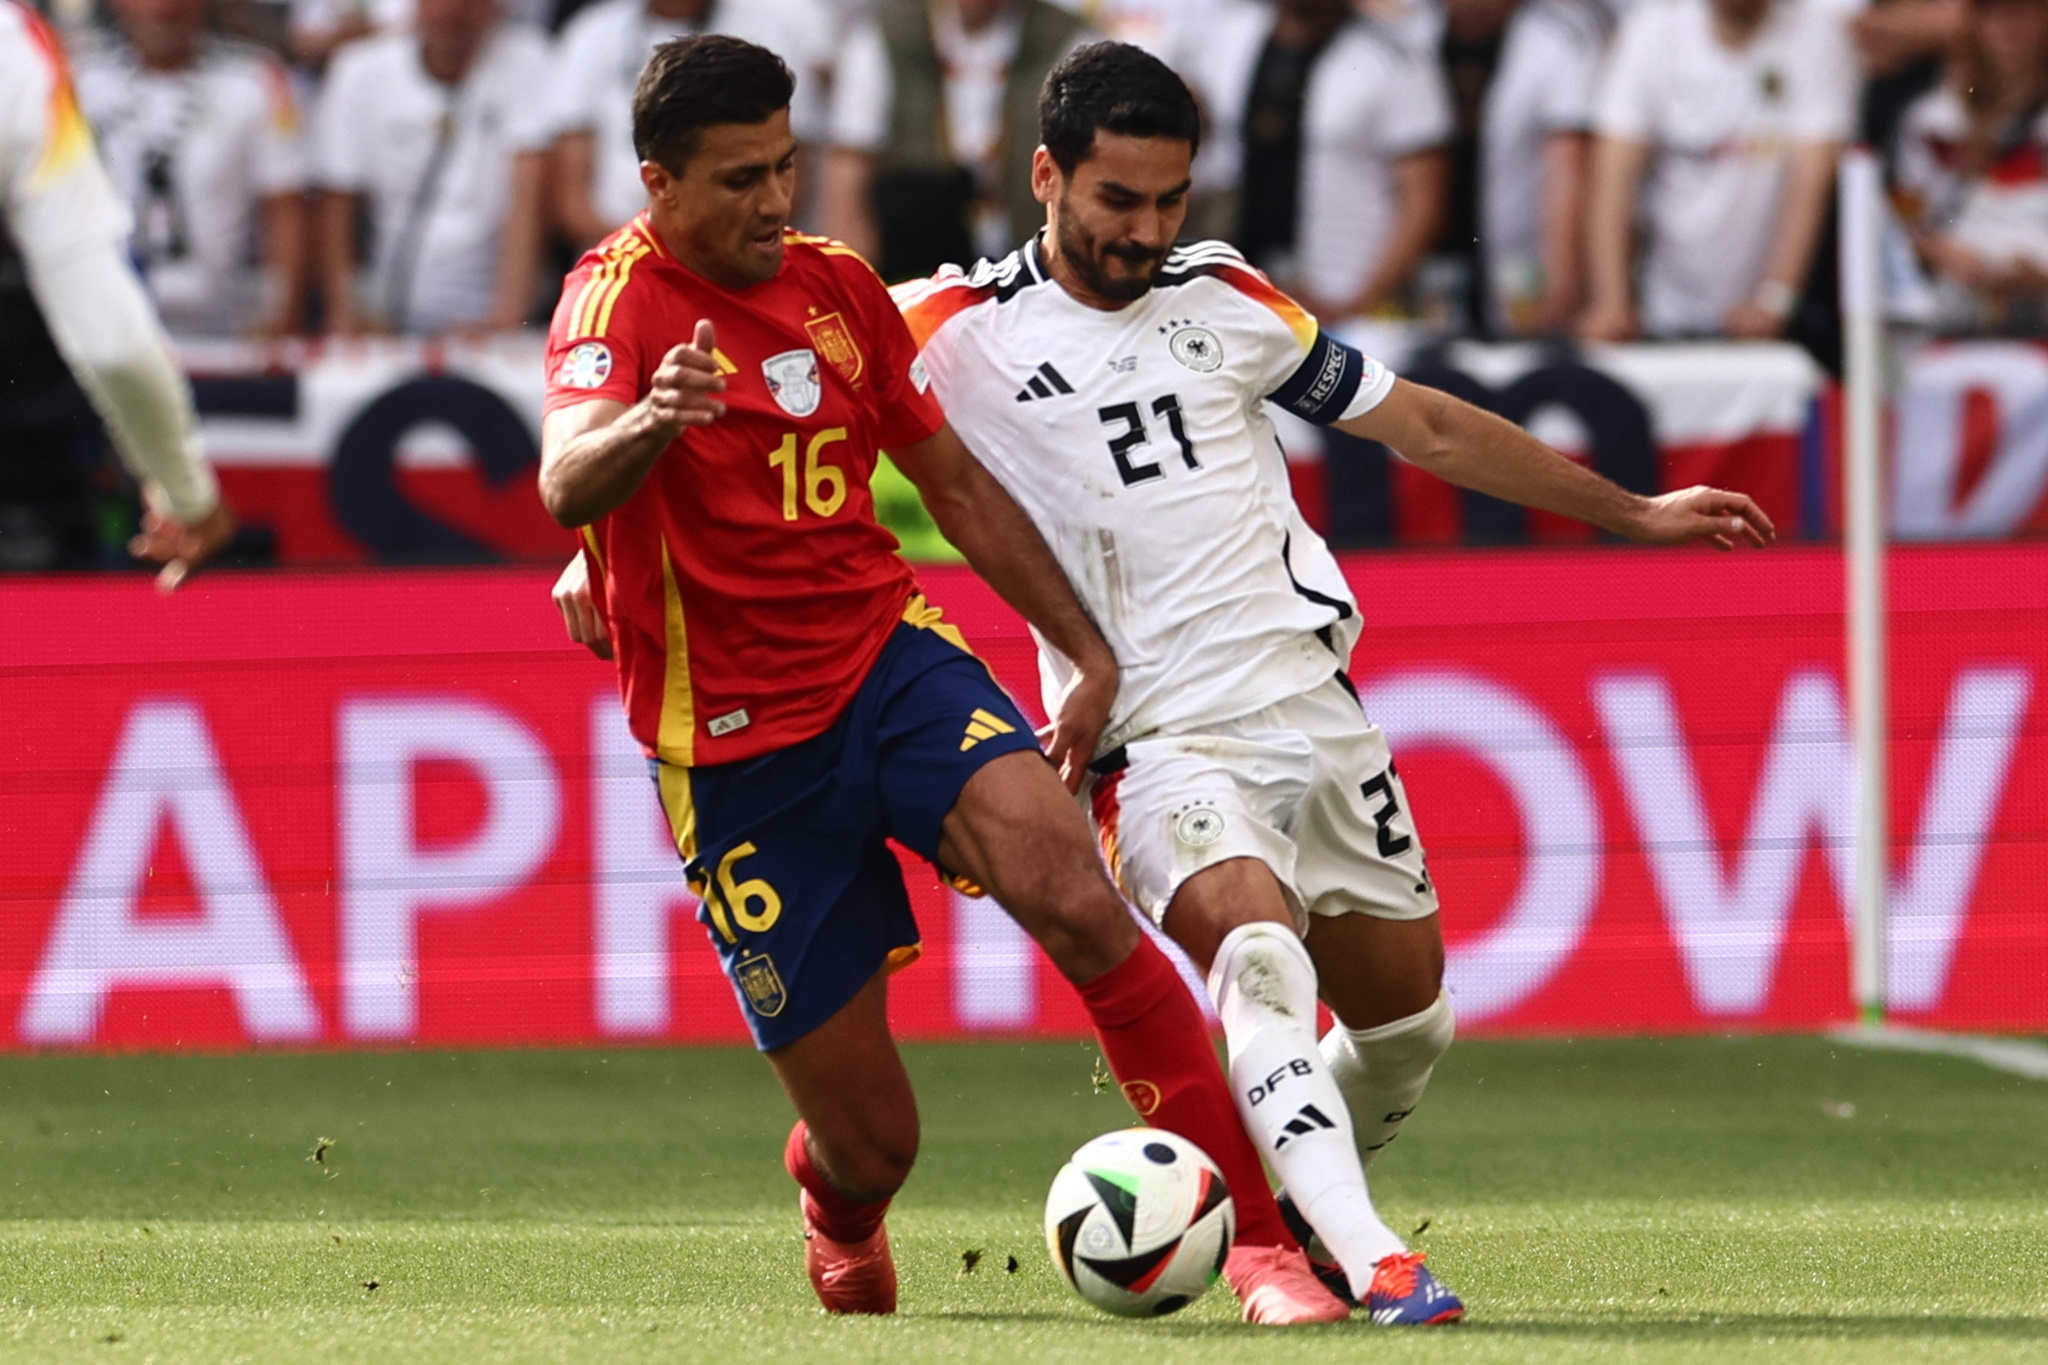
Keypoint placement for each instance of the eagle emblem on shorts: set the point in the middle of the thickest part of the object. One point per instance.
(793, 381)
(1198, 827)
(761, 984)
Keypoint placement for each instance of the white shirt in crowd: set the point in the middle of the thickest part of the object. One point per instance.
(196, 152)
(1372, 99)
(1138, 441)
(62, 217)
(1721, 125)
(382, 16)
(2000, 215)
(436, 165)
(1544, 86)
(601, 50)
(1168, 29)
(977, 75)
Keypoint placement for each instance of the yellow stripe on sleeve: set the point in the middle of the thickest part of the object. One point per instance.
(587, 300)
(618, 287)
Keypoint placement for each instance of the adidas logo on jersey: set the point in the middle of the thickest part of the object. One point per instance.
(1044, 384)
(982, 725)
(1306, 1120)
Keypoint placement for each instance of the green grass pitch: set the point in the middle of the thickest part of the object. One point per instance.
(1640, 1201)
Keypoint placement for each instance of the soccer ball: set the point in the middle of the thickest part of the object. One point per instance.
(1139, 1222)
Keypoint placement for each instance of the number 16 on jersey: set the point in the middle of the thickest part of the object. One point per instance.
(824, 485)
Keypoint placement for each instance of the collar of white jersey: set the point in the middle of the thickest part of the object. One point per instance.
(1034, 258)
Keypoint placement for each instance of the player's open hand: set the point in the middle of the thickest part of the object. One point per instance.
(685, 388)
(580, 616)
(1714, 515)
(179, 547)
(1084, 711)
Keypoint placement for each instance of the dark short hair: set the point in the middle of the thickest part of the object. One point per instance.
(1114, 88)
(691, 83)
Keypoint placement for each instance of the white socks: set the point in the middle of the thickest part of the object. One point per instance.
(1383, 1070)
(1264, 986)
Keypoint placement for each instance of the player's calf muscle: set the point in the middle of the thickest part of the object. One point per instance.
(847, 1082)
(1373, 971)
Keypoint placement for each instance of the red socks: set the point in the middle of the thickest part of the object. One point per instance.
(832, 1213)
(1158, 1045)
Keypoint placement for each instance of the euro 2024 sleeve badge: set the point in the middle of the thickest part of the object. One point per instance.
(586, 366)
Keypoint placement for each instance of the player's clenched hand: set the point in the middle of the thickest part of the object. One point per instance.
(179, 547)
(685, 388)
(580, 615)
(1084, 711)
(1714, 515)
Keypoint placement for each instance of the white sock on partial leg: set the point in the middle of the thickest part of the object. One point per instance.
(1264, 986)
(1382, 1071)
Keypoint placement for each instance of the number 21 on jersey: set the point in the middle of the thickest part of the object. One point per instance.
(1132, 420)
(823, 485)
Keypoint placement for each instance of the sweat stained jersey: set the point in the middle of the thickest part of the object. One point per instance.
(1138, 442)
(748, 585)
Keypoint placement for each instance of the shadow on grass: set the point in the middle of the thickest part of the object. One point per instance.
(1758, 1326)
(1168, 1326)
(1752, 1328)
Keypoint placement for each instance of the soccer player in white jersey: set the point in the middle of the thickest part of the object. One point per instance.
(1117, 386)
(68, 299)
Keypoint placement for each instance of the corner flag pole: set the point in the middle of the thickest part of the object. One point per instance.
(1863, 526)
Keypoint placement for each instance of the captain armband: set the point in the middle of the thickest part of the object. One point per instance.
(1323, 388)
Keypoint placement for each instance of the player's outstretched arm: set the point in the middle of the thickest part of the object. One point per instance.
(981, 518)
(595, 454)
(1474, 449)
(107, 330)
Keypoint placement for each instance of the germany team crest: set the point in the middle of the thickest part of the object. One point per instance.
(829, 333)
(761, 984)
(793, 381)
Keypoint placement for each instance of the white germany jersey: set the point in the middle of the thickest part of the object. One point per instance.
(1137, 441)
(54, 197)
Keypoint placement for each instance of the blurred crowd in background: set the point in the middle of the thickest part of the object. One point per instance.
(1604, 169)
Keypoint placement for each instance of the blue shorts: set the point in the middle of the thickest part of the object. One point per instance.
(801, 896)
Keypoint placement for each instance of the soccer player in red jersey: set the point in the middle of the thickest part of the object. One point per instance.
(718, 391)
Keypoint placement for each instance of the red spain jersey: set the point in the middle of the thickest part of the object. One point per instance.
(748, 584)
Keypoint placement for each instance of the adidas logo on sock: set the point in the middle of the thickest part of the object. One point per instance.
(1306, 1120)
(1044, 384)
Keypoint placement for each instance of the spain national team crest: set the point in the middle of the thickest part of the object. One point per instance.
(830, 335)
(761, 984)
(793, 381)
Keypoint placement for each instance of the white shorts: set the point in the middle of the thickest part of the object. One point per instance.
(1307, 786)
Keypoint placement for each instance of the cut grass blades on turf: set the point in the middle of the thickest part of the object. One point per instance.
(1692, 1200)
